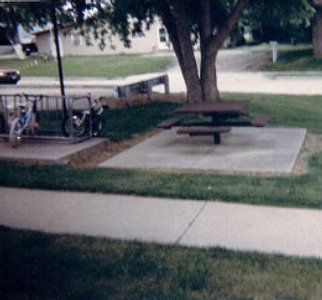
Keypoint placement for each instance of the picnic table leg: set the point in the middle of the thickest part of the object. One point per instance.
(127, 92)
(150, 92)
(217, 138)
(166, 84)
(215, 121)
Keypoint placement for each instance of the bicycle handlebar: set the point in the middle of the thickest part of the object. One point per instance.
(34, 101)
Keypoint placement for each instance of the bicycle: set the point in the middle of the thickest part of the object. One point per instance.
(81, 123)
(24, 123)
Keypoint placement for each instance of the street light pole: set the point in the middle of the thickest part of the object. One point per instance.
(60, 68)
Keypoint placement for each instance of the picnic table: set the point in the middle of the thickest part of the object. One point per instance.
(218, 111)
(223, 115)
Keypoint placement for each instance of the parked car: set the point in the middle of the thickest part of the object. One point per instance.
(9, 75)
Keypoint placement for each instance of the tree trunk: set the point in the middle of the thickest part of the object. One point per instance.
(210, 45)
(14, 36)
(176, 23)
(173, 15)
(317, 35)
(208, 76)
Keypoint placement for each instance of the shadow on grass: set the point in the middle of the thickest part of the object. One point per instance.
(35, 265)
(295, 60)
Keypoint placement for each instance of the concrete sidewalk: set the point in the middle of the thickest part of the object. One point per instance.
(188, 223)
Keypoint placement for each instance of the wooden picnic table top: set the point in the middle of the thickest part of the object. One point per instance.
(215, 108)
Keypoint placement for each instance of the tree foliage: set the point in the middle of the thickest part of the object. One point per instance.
(279, 19)
(209, 21)
(27, 15)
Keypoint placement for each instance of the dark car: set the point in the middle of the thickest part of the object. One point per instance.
(9, 75)
(29, 48)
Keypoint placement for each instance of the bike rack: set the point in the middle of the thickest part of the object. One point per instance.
(49, 114)
(77, 104)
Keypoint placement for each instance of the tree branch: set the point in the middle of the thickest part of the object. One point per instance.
(174, 17)
(169, 22)
(205, 22)
(217, 41)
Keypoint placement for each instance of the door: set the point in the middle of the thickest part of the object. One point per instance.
(164, 42)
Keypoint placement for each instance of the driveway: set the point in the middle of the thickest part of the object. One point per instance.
(237, 60)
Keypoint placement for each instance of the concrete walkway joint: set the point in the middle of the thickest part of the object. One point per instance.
(191, 223)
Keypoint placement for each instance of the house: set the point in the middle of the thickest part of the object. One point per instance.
(72, 43)
(5, 46)
(26, 40)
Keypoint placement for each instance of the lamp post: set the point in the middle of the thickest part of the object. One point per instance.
(60, 68)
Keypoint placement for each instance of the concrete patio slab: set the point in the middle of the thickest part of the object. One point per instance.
(49, 152)
(244, 149)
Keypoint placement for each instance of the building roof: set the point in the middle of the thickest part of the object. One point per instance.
(48, 29)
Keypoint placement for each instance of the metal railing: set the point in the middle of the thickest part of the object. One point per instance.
(49, 114)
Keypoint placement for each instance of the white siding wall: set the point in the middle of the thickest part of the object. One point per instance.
(6, 50)
(43, 43)
(146, 44)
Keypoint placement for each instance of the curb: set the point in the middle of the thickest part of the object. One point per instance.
(39, 85)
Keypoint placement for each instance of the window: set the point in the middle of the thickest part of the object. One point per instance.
(137, 34)
(163, 35)
(76, 39)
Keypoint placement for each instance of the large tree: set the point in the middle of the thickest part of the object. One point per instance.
(280, 20)
(26, 14)
(317, 30)
(211, 21)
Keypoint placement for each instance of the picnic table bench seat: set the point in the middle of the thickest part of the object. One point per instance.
(260, 121)
(198, 130)
(168, 124)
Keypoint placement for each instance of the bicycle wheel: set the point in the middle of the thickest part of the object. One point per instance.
(15, 133)
(97, 126)
(74, 127)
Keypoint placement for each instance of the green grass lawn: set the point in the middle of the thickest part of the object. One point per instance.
(291, 59)
(101, 66)
(35, 265)
(297, 191)
(295, 59)
(123, 124)
(40, 266)
(281, 47)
